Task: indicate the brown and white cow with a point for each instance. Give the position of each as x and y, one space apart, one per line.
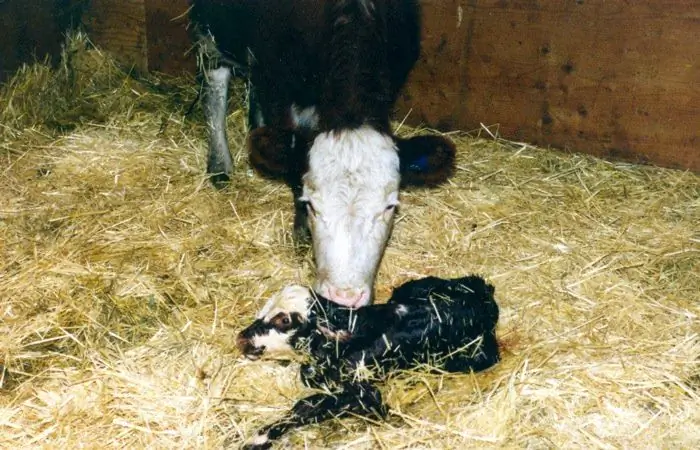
323 77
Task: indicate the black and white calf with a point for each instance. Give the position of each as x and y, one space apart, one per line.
435 323
323 78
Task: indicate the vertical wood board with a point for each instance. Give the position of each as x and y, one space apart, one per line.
614 79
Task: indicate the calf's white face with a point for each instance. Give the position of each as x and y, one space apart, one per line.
277 322
351 191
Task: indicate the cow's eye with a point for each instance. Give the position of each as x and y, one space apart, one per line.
310 209
306 203
389 210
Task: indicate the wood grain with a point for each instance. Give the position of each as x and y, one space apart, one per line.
119 27
169 43
616 79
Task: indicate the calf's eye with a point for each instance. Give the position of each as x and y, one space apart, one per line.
281 322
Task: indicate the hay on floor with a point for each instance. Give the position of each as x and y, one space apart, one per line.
124 278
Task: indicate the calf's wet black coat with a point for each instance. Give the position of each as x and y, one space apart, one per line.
438 323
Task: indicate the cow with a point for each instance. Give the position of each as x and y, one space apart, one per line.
323 77
445 324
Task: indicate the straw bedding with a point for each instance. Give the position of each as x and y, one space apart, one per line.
124 278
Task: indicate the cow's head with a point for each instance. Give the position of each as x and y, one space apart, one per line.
349 193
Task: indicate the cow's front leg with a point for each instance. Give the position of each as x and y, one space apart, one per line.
301 234
256 119
219 161
280 154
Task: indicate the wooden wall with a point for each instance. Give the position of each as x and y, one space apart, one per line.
616 79
150 35
34 29
119 27
168 39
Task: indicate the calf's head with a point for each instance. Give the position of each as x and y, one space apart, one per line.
278 324
350 184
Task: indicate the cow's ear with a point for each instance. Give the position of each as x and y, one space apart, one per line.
426 160
276 153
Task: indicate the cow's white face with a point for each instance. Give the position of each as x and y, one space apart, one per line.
351 191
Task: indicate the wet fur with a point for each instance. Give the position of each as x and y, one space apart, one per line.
444 324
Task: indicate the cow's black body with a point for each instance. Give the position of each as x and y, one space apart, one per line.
347 58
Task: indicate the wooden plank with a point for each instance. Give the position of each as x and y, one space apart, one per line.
34 30
169 43
432 93
119 27
614 79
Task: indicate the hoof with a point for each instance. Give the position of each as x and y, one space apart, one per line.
301 237
220 180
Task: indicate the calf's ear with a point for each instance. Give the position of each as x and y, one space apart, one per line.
277 153
426 160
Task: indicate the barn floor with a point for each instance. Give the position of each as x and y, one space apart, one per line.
124 278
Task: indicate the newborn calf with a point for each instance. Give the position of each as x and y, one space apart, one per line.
442 324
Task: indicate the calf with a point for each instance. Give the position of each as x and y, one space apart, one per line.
323 77
442 324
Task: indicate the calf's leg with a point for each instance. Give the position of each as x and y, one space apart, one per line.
361 399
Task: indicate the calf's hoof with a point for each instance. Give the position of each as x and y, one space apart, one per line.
254 446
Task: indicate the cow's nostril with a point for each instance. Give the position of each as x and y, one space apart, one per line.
362 299
352 298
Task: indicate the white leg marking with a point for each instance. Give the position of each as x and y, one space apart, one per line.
305 118
259 439
215 106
